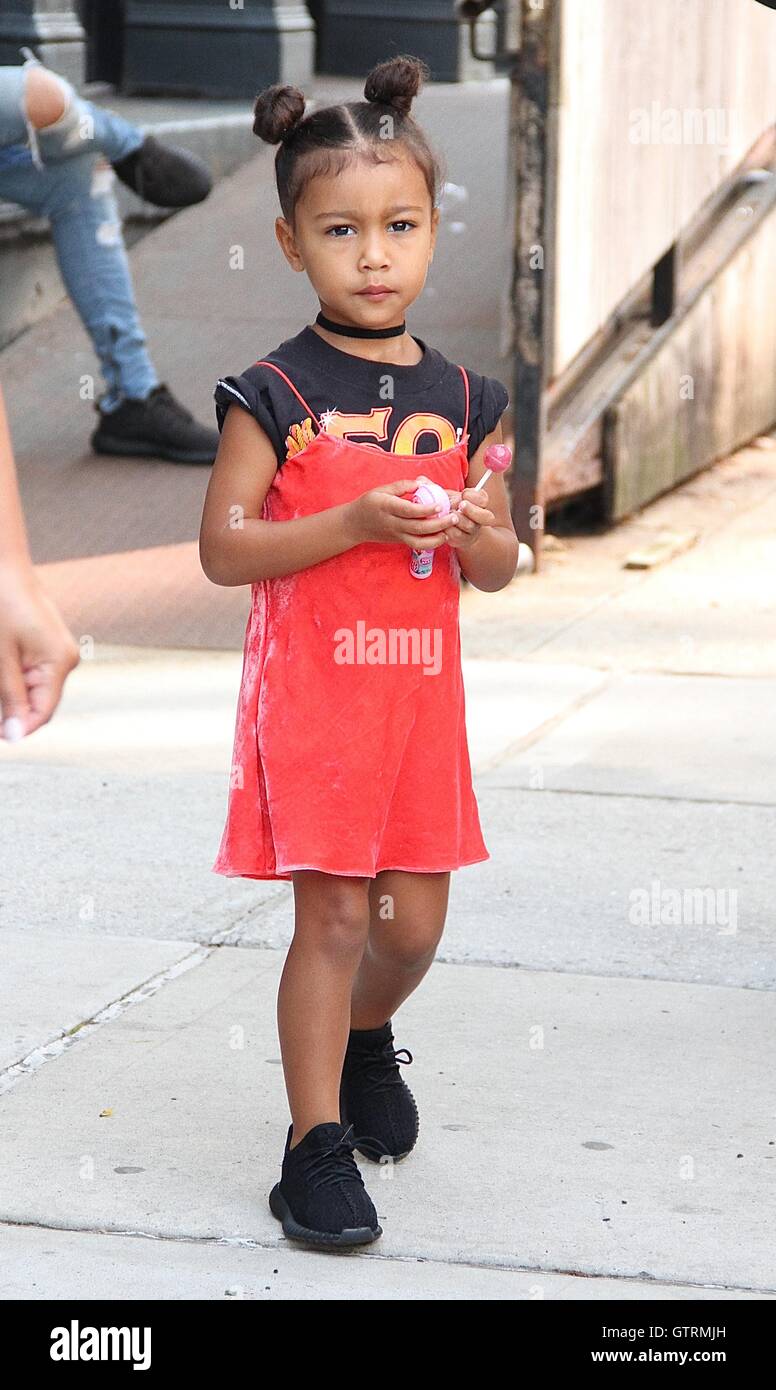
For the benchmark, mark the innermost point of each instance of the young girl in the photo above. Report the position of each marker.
(351, 773)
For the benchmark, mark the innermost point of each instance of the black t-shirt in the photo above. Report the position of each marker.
(418, 409)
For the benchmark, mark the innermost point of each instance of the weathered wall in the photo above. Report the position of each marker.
(634, 75)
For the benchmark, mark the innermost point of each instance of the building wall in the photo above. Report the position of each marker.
(633, 75)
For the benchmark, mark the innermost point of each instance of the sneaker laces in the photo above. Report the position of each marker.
(334, 1164)
(381, 1071)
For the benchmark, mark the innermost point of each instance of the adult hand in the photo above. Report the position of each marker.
(37, 653)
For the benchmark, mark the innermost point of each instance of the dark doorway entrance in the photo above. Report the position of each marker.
(103, 22)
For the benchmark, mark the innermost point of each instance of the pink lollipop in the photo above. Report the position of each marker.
(498, 458)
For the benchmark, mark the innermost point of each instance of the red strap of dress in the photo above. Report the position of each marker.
(466, 409)
(293, 388)
(289, 382)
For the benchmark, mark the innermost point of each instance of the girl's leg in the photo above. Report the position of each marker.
(407, 919)
(331, 926)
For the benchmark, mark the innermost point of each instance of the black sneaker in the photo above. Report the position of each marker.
(157, 427)
(165, 175)
(321, 1198)
(375, 1098)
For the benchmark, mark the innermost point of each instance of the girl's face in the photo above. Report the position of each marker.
(370, 225)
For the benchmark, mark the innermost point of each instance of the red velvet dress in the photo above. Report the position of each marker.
(350, 751)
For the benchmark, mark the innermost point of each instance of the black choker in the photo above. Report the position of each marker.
(350, 331)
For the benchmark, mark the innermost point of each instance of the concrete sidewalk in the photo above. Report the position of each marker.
(592, 1048)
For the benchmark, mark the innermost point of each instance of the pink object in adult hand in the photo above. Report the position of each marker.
(497, 459)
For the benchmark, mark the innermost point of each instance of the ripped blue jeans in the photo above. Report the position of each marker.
(63, 172)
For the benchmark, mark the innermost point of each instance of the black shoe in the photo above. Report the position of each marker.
(165, 175)
(157, 427)
(375, 1098)
(321, 1198)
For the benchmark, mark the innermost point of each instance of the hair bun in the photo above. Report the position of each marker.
(397, 81)
(276, 111)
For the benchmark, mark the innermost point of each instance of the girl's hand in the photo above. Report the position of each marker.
(384, 515)
(470, 513)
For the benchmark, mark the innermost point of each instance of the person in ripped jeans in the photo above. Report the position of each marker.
(56, 153)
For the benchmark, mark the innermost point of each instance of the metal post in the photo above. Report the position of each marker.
(533, 72)
(532, 267)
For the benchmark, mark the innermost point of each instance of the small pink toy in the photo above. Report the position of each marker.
(421, 561)
(497, 458)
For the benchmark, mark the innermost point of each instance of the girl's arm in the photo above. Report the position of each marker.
(488, 548)
(236, 546)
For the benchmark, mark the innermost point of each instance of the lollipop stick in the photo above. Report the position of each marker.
(499, 456)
